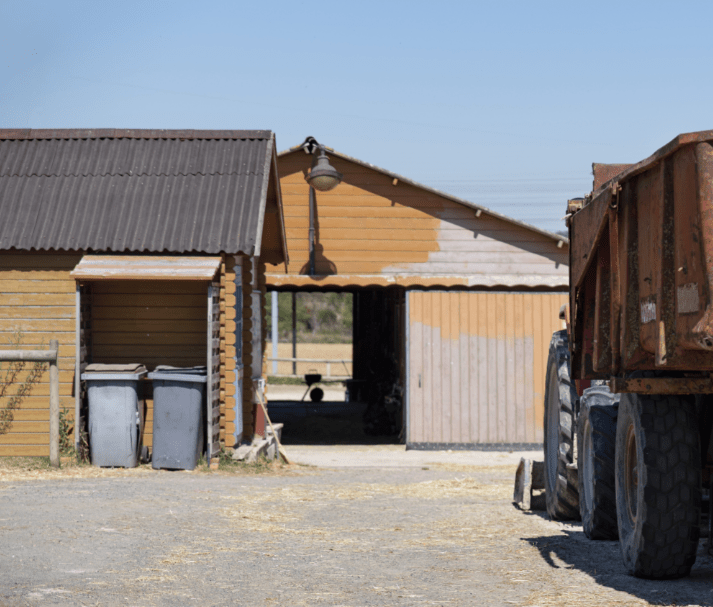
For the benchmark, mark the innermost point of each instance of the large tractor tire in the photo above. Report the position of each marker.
(561, 492)
(596, 439)
(658, 484)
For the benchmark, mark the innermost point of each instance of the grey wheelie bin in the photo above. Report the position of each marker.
(178, 416)
(115, 400)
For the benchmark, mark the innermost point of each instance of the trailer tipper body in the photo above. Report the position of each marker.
(629, 398)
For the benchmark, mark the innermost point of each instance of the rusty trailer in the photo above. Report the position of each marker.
(628, 413)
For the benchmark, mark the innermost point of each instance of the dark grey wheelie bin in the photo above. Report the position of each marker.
(178, 416)
(115, 400)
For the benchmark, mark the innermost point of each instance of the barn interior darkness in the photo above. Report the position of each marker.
(373, 411)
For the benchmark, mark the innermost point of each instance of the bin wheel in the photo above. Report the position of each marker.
(145, 457)
(596, 438)
(658, 484)
(561, 493)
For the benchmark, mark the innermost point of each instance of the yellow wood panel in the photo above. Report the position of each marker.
(13, 438)
(23, 427)
(37, 286)
(138, 321)
(148, 313)
(24, 451)
(28, 324)
(12, 260)
(143, 300)
(156, 325)
(31, 415)
(507, 336)
(19, 312)
(37, 299)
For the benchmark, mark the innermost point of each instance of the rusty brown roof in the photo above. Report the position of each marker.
(119, 190)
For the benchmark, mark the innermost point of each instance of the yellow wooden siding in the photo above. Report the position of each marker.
(367, 226)
(37, 299)
(477, 363)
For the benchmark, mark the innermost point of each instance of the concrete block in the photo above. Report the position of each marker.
(529, 482)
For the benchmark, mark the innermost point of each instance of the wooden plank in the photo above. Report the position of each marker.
(33, 339)
(456, 259)
(508, 370)
(437, 396)
(27, 325)
(25, 450)
(144, 326)
(25, 439)
(519, 362)
(464, 367)
(446, 232)
(37, 286)
(464, 244)
(32, 415)
(60, 300)
(527, 271)
(149, 313)
(23, 427)
(34, 274)
(474, 387)
(140, 287)
(528, 368)
(153, 338)
(139, 300)
(20, 313)
(490, 365)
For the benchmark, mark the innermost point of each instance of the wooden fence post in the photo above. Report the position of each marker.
(54, 405)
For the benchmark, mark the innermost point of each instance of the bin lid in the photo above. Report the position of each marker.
(101, 371)
(184, 374)
(107, 368)
(198, 370)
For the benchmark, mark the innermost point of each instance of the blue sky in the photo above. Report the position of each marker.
(505, 104)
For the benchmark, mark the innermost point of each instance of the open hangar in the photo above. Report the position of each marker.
(454, 304)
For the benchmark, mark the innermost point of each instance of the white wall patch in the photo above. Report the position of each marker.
(688, 300)
(648, 311)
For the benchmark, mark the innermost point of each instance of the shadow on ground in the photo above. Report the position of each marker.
(602, 561)
(325, 423)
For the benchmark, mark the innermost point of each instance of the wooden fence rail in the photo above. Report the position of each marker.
(328, 362)
(51, 356)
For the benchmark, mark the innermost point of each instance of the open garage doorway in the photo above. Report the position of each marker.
(337, 373)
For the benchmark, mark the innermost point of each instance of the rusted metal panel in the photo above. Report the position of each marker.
(662, 385)
(604, 172)
(642, 266)
(139, 191)
(146, 267)
(475, 362)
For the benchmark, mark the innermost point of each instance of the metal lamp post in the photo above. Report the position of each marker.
(323, 177)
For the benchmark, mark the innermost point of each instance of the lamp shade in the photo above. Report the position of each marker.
(324, 176)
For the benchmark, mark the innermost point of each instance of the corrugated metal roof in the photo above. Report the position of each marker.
(123, 267)
(112, 190)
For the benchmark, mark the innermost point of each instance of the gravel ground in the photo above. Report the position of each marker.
(437, 533)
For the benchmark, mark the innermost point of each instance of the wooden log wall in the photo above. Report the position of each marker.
(231, 373)
(131, 321)
(37, 298)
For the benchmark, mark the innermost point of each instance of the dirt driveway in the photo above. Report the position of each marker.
(440, 530)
